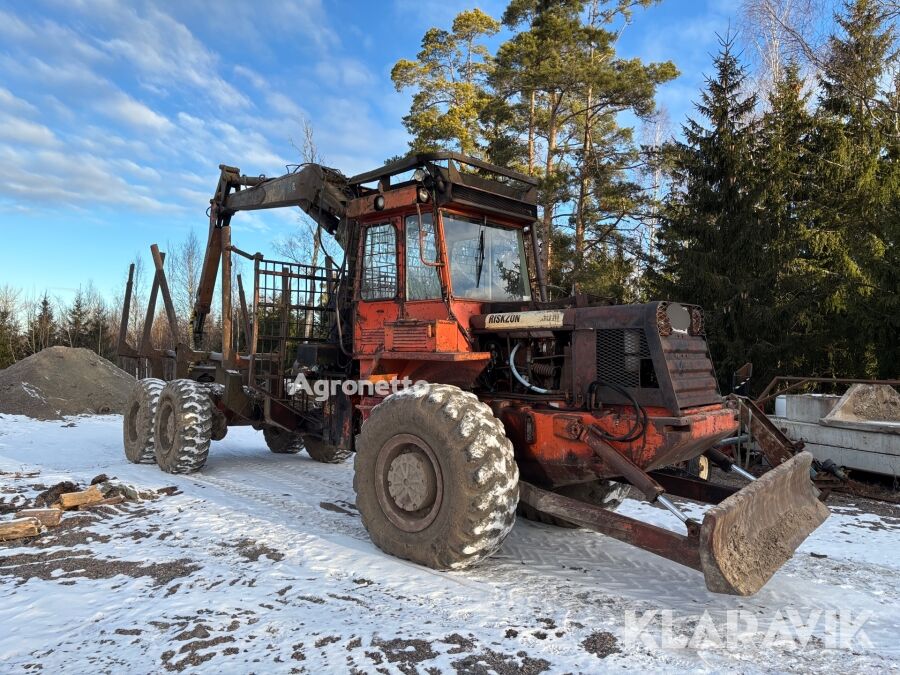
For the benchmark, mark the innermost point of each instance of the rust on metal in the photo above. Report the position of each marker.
(679, 548)
(775, 446)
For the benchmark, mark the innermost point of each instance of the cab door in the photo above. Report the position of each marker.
(378, 289)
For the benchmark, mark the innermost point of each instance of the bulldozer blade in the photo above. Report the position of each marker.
(748, 536)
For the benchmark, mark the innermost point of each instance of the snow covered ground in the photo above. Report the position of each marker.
(261, 564)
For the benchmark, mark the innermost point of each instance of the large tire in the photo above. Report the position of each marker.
(282, 442)
(607, 494)
(183, 427)
(321, 451)
(435, 477)
(137, 422)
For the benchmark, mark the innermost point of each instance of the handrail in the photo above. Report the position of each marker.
(765, 396)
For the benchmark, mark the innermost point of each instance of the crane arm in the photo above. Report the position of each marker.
(321, 192)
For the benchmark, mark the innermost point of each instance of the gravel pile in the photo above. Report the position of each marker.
(62, 381)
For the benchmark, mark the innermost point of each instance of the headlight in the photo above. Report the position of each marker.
(697, 327)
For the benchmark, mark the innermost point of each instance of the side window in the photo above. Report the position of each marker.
(422, 282)
(379, 278)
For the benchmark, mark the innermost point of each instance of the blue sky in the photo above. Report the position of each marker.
(114, 116)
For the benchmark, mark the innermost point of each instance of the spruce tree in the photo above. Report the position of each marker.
(789, 343)
(710, 244)
(42, 330)
(9, 337)
(75, 328)
(857, 223)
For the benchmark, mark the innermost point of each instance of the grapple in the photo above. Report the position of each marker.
(742, 540)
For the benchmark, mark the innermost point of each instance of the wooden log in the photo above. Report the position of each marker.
(118, 499)
(71, 500)
(20, 474)
(48, 517)
(21, 527)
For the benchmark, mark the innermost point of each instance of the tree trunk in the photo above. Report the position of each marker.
(585, 163)
(548, 196)
(531, 136)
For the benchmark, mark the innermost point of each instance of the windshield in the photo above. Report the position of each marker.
(486, 262)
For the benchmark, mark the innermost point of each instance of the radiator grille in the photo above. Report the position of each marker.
(409, 338)
(623, 358)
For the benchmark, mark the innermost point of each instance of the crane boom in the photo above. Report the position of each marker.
(322, 192)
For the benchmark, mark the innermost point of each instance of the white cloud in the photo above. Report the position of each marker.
(344, 73)
(11, 102)
(69, 75)
(165, 52)
(26, 132)
(251, 76)
(54, 178)
(352, 139)
(14, 28)
(282, 105)
(134, 113)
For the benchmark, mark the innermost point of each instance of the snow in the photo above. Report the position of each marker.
(261, 564)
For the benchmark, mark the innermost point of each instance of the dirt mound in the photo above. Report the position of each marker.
(867, 402)
(62, 381)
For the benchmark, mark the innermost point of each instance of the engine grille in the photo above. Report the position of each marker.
(409, 338)
(623, 358)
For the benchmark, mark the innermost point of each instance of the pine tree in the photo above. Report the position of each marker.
(562, 77)
(449, 78)
(709, 234)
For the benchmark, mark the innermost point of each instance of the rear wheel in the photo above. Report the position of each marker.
(137, 423)
(435, 477)
(323, 452)
(282, 442)
(183, 427)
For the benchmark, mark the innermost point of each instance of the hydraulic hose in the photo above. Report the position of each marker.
(637, 429)
(522, 380)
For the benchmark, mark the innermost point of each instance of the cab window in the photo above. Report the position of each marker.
(422, 282)
(487, 262)
(379, 278)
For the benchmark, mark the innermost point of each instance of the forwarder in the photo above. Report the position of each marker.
(548, 407)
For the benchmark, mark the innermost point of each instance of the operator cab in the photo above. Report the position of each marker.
(441, 237)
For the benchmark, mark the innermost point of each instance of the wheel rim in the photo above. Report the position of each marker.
(166, 426)
(132, 422)
(704, 469)
(408, 483)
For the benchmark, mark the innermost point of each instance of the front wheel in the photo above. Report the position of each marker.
(435, 477)
(183, 427)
